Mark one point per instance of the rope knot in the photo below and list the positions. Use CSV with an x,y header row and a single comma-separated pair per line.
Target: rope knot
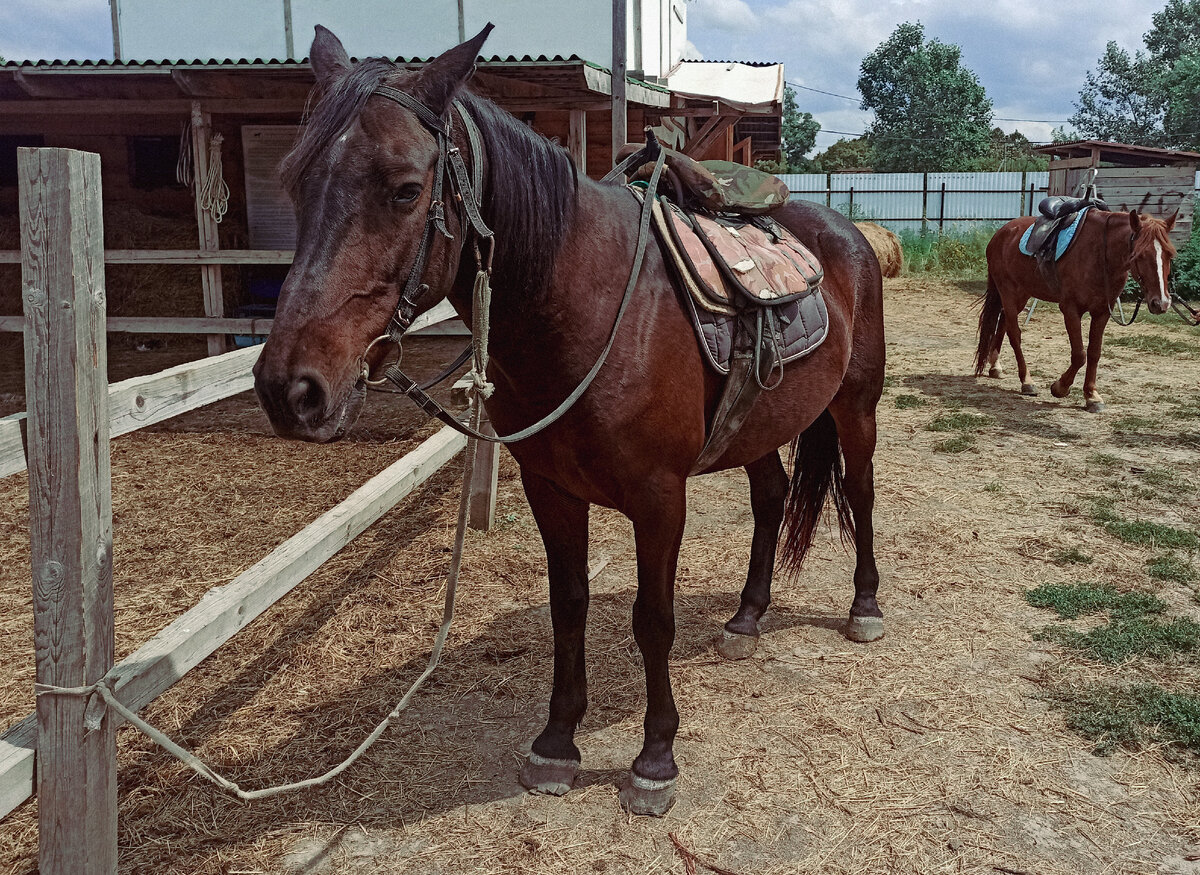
x,y
480,385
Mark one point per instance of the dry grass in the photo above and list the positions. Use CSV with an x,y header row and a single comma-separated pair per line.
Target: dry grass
x,y
933,750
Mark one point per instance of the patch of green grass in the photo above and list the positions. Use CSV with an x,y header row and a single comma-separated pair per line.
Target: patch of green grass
x,y
1134,424
1132,717
1074,556
952,252
960,421
1123,638
890,381
907,402
1167,480
1143,532
994,486
958,444
1106,462
1154,344
1071,600
1171,567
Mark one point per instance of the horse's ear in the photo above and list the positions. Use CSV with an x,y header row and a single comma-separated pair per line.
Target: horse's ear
x,y
449,71
1170,220
1135,221
328,57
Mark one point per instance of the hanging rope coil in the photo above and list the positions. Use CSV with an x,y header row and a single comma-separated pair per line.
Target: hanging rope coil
x,y
214,194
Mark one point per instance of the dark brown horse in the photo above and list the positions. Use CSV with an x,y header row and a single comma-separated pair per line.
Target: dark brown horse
x,y
1091,275
361,176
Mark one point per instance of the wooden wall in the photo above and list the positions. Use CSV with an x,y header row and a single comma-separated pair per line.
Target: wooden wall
x,y
1159,191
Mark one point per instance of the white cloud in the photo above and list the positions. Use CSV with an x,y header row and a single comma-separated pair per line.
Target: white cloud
x,y
727,15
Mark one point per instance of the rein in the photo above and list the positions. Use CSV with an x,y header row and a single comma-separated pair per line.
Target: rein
x,y
414,288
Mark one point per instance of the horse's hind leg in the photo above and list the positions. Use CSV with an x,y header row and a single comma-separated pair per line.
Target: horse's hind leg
x,y
563,522
1012,326
857,435
768,488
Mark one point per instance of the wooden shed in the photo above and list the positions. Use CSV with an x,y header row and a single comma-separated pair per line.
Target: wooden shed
x,y
143,117
1156,181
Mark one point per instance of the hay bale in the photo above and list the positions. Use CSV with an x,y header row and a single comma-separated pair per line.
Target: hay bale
x,y
886,245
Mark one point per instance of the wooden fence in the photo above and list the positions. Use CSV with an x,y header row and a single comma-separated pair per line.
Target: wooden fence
x,y
72,413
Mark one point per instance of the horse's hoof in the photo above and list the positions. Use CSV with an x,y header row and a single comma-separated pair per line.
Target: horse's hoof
x,y
996,373
1095,405
543,775
732,645
864,629
1028,389
1058,391
644,796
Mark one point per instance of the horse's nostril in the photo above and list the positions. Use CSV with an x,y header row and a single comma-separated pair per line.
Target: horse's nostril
x,y
306,398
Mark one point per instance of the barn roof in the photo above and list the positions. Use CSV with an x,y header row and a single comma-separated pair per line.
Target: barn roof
x,y
1119,153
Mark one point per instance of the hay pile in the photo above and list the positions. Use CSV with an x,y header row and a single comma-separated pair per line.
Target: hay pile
x,y
886,245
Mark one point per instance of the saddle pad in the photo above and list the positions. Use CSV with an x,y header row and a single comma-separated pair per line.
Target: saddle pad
x,y
804,325
768,264
1065,236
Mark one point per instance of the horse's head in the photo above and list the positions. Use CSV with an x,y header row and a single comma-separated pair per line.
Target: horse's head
x,y
361,177
1151,251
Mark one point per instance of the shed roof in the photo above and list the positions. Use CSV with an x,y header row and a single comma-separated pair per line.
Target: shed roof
x,y
1119,153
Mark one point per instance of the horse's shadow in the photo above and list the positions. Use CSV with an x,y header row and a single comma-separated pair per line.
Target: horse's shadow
x,y
1014,412
462,739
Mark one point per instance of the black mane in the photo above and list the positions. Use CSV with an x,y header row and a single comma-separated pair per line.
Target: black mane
x,y
528,196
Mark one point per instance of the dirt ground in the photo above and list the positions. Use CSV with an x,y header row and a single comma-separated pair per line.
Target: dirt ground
x,y
936,749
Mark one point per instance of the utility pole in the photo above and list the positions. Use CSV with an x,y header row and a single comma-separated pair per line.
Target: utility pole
x,y
619,49
116,28
462,24
289,41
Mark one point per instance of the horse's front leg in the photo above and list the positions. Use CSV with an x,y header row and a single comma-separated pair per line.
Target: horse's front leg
x,y
563,522
1061,387
1091,397
658,514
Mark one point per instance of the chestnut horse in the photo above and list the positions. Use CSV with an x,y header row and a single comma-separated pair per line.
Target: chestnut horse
x,y
361,176
1092,273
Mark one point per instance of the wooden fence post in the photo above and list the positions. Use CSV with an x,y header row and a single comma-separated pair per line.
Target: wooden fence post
x,y
70,502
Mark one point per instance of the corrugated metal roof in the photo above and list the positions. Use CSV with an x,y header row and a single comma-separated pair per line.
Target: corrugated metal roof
x,y
272,62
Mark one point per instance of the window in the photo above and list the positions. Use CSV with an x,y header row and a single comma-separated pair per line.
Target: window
x,y
152,162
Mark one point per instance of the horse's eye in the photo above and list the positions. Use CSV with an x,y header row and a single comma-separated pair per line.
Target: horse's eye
x,y
406,194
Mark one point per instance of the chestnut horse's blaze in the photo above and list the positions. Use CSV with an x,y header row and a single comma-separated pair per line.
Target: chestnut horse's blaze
x,y
1107,249
362,176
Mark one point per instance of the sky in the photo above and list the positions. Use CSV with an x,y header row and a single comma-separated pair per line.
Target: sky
x,y
1030,55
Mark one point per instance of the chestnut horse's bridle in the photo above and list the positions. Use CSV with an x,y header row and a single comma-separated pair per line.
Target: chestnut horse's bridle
x,y
451,167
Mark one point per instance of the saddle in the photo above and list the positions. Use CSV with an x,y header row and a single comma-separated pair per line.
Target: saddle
x,y
1053,232
751,288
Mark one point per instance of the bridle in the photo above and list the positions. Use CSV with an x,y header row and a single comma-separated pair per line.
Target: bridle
x,y
450,165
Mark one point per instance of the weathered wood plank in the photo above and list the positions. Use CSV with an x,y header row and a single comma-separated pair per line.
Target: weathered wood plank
x,y
225,610
210,274
179,256
141,401
70,502
167,325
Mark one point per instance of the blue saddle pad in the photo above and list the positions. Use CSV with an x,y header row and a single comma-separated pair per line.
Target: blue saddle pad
x,y
1065,236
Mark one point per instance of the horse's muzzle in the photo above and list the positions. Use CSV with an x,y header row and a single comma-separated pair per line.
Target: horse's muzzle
x,y
299,407
1158,306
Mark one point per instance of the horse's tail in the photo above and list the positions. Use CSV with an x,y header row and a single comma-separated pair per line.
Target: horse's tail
x,y
991,311
816,470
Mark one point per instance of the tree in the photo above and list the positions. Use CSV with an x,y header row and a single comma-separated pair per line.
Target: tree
x,y
799,133
1011,152
1149,98
931,113
845,155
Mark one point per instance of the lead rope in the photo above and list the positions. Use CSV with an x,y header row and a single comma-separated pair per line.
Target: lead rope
x,y
103,689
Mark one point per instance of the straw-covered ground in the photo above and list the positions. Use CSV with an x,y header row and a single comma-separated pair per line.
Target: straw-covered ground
x,y
945,747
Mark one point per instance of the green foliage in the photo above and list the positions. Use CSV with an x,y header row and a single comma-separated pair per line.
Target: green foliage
x,y
1011,152
1121,639
907,402
1185,268
1171,567
1155,344
931,113
958,444
960,421
1150,98
956,252
1144,532
1106,462
1071,600
799,133
1132,716
844,155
